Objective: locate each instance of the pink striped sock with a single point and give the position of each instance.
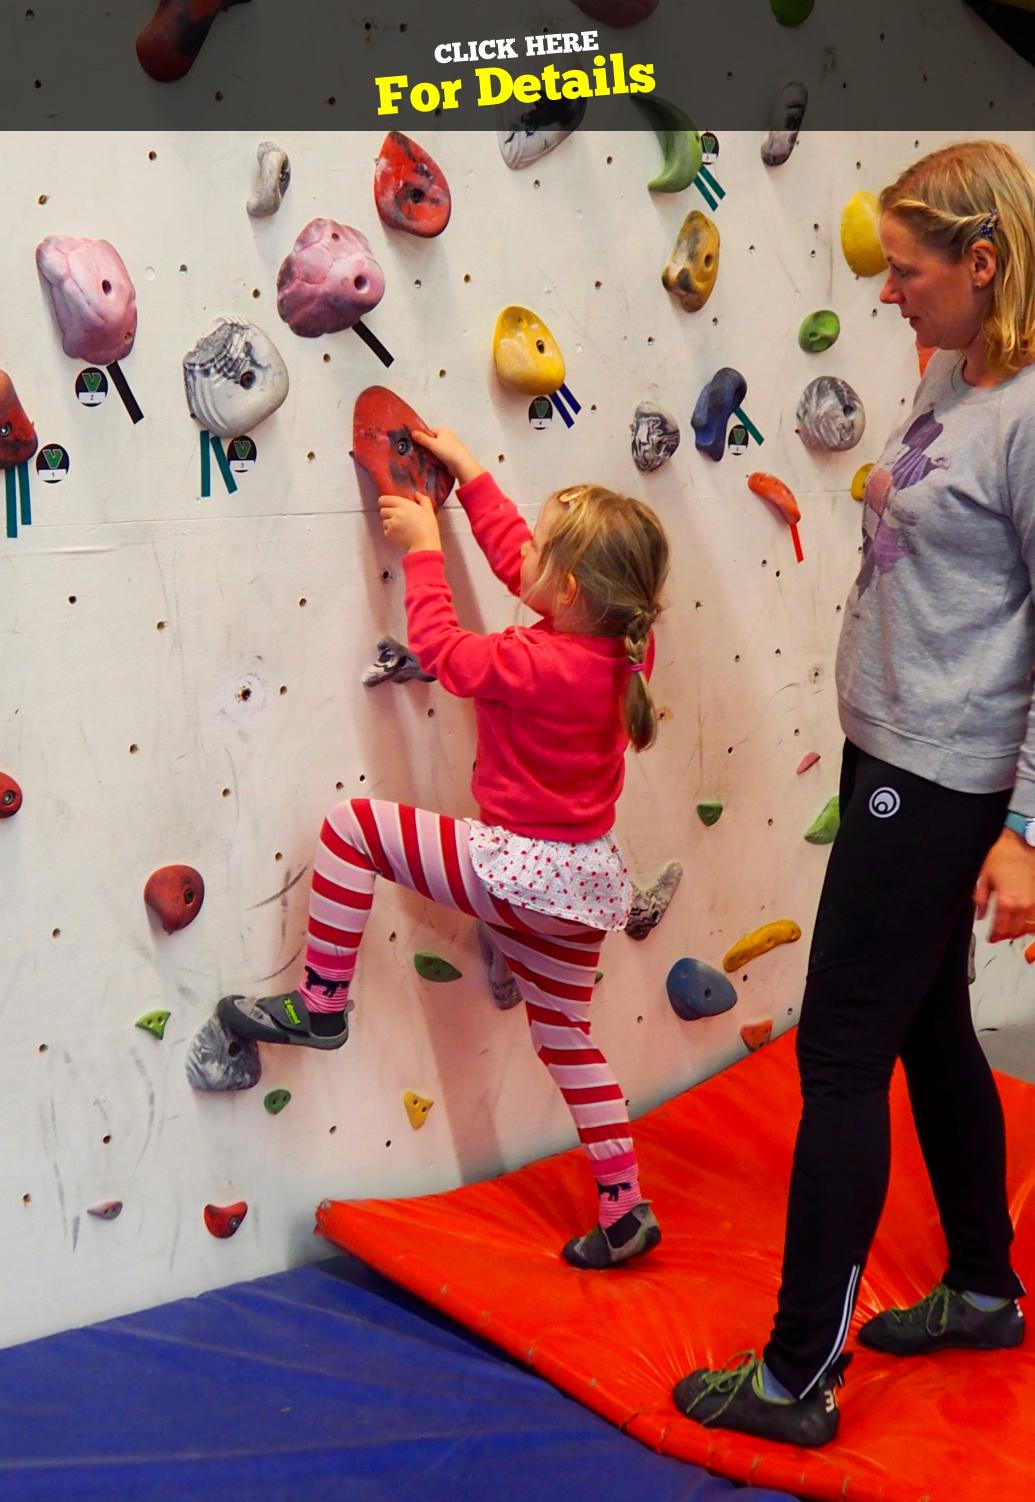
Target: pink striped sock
(327, 989)
(617, 1200)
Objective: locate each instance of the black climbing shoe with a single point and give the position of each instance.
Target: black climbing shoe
(636, 1232)
(731, 1398)
(279, 1019)
(943, 1319)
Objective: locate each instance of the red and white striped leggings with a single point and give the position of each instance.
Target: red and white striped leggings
(554, 961)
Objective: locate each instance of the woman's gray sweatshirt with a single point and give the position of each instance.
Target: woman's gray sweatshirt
(934, 666)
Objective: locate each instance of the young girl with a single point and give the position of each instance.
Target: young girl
(556, 706)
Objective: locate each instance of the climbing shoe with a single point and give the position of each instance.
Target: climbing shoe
(283, 1019)
(944, 1318)
(636, 1232)
(732, 1398)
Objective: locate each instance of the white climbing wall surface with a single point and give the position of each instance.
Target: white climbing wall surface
(181, 675)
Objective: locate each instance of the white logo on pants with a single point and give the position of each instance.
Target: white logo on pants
(884, 803)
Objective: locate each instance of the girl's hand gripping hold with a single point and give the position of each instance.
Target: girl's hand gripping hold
(448, 450)
(413, 525)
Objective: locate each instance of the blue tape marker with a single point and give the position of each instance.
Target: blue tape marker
(12, 503)
(23, 490)
(745, 419)
(573, 403)
(224, 467)
(206, 467)
(569, 422)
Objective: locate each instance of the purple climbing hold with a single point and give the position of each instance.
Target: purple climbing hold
(715, 406)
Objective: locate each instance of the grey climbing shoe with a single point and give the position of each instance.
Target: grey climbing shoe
(635, 1233)
(731, 1397)
(277, 1019)
(944, 1318)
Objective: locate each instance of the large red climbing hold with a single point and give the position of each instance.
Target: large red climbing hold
(224, 1221)
(175, 894)
(168, 46)
(10, 796)
(17, 435)
(618, 12)
(383, 444)
(410, 188)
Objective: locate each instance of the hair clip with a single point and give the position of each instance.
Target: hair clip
(637, 667)
(988, 226)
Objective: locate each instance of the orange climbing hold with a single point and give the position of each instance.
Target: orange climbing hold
(175, 894)
(1029, 954)
(770, 489)
(756, 1035)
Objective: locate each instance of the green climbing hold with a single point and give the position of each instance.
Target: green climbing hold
(819, 331)
(154, 1022)
(791, 12)
(431, 967)
(709, 812)
(823, 829)
(598, 977)
(276, 1100)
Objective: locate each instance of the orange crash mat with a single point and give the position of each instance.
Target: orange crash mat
(955, 1427)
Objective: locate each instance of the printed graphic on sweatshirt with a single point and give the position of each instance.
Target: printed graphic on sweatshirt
(887, 525)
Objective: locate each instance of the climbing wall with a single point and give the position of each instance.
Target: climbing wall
(182, 671)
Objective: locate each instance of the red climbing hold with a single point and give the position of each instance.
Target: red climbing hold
(382, 442)
(175, 894)
(10, 796)
(618, 12)
(18, 440)
(410, 188)
(755, 1035)
(168, 46)
(225, 1220)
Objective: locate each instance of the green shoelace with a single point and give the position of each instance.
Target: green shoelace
(934, 1307)
(726, 1382)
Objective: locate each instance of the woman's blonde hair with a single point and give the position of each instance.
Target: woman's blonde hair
(615, 549)
(979, 190)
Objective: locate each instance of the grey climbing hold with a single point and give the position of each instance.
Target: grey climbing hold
(830, 415)
(650, 904)
(784, 124)
(274, 177)
(394, 661)
(502, 982)
(697, 990)
(655, 436)
(219, 1060)
(824, 827)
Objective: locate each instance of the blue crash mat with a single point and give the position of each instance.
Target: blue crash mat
(326, 1380)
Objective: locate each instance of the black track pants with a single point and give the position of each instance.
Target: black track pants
(888, 978)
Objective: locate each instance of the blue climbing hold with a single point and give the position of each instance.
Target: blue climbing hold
(697, 990)
(715, 406)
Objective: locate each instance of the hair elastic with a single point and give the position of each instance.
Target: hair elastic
(636, 667)
(988, 226)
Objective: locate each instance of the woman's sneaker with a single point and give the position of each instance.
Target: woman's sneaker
(732, 1397)
(636, 1232)
(946, 1317)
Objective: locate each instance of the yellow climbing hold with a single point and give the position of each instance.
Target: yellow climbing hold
(417, 1108)
(859, 479)
(783, 931)
(527, 356)
(859, 239)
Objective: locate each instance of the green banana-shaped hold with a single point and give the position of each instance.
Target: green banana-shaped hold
(680, 144)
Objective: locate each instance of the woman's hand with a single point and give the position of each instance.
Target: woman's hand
(448, 450)
(413, 525)
(1009, 873)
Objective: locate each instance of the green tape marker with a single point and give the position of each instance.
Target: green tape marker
(12, 503)
(23, 491)
(224, 466)
(745, 419)
(206, 467)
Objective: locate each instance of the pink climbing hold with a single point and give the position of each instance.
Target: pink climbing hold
(93, 297)
(175, 894)
(329, 280)
(110, 1210)
(808, 761)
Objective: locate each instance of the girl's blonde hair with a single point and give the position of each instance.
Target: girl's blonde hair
(972, 191)
(616, 550)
